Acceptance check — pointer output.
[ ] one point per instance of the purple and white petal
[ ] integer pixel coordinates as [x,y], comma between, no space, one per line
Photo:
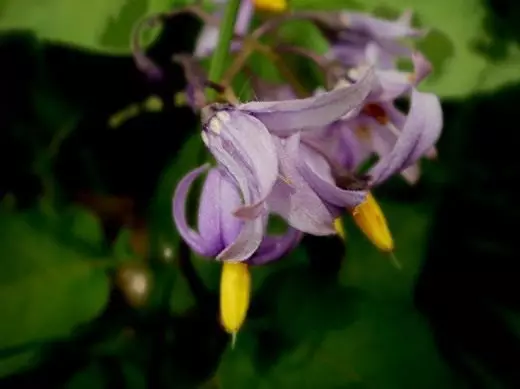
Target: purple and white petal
[229,199]
[273,247]
[420,132]
[207,246]
[317,172]
[285,117]
[292,197]
[247,242]
[245,149]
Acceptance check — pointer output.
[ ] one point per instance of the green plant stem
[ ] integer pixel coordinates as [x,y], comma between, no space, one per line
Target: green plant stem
[218,61]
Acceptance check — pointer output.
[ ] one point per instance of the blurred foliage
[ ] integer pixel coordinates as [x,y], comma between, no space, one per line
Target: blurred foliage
[98,291]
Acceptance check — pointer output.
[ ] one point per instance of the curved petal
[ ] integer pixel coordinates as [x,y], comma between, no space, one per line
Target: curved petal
[274,247]
[209,214]
[292,197]
[321,180]
[420,132]
[285,117]
[354,150]
[245,149]
[230,199]
[422,67]
[191,237]
[412,174]
[247,241]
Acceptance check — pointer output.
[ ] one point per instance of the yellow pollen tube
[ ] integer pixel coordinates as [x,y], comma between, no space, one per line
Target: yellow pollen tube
[235,292]
[370,219]
[271,5]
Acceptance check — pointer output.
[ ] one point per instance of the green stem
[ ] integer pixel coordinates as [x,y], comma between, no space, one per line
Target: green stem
[218,60]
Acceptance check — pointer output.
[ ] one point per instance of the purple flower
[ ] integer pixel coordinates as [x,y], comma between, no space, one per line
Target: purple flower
[351,32]
[208,37]
[220,234]
[394,83]
[257,146]
[399,140]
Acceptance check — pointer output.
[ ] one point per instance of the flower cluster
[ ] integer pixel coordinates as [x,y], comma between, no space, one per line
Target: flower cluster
[301,157]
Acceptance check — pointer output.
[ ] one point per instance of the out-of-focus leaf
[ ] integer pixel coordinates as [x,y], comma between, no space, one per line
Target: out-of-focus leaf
[361,333]
[90,377]
[49,281]
[98,25]
[456,26]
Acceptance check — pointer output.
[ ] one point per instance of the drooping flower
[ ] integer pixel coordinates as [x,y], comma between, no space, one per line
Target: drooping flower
[246,141]
[351,32]
[420,130]
[220,234]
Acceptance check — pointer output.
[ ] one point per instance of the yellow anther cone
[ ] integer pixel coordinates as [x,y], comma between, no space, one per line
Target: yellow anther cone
[271,5]
[338,226]
[370,219]
[235,291]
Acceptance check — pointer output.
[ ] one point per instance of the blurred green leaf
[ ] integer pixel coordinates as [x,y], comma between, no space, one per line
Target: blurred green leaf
[90,377]
[98,25]
[456,26]
[48,286]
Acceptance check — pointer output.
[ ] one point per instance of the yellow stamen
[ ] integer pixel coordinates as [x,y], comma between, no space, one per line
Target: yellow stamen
[370,219]
[235,290]
[338,226]
[271,5]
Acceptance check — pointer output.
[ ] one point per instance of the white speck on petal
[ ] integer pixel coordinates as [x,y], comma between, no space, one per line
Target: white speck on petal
[223,116]
[214,125]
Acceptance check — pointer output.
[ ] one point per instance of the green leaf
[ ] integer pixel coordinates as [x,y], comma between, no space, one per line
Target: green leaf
[98,24]
[48,287]
[456,26]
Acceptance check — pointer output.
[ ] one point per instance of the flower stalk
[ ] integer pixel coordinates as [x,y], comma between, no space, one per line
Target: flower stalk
[218,61]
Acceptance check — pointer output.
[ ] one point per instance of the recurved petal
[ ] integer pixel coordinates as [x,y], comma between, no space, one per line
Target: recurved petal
[422,67]
[316,171]
[206,246]
[209,215]
[273,247]
[243,146]
[230,199]
[292,197]
[247,241]
[420,132]
[412,174]
[285,117]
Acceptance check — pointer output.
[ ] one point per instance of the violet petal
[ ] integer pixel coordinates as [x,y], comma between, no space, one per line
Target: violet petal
[420,132]
[243,146]
[317,173]
[292,197]
[274,247]
[285,117]
[199,244]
